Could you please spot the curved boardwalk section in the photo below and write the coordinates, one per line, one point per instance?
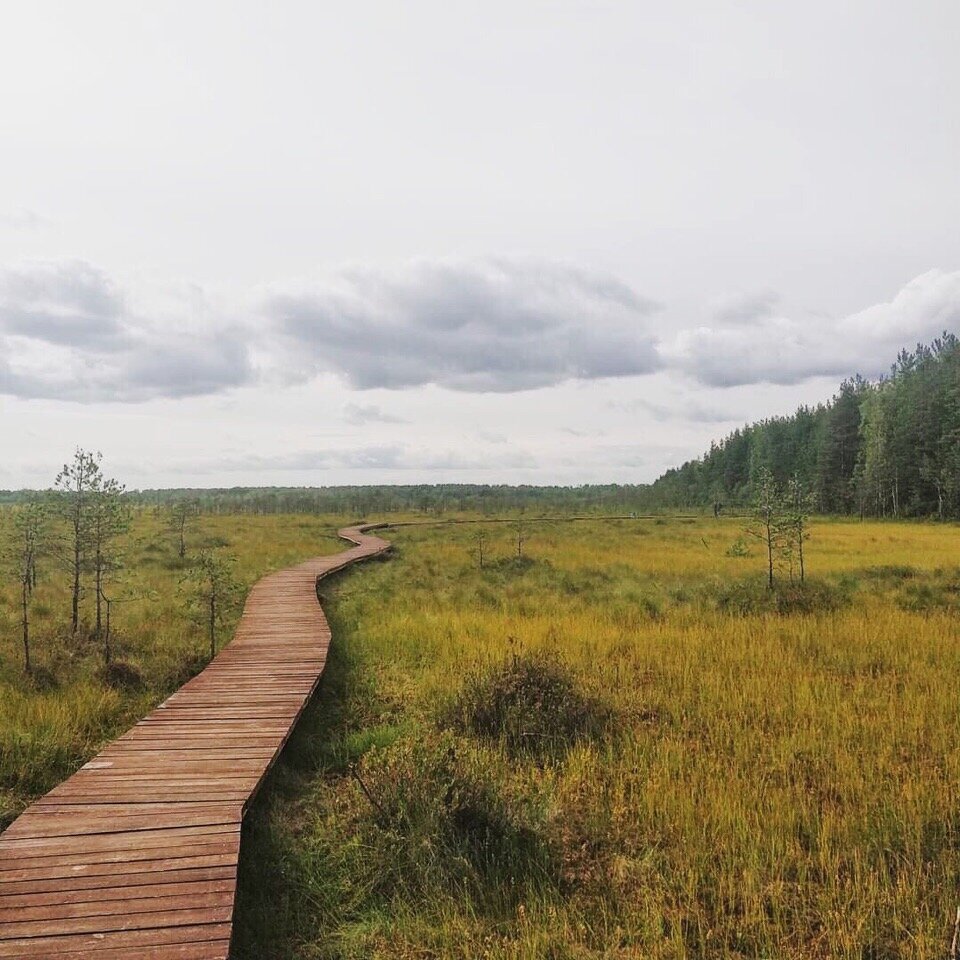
(135, 856)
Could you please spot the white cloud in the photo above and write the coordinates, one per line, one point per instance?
(23, 220)
(786, 350)
(360, 414)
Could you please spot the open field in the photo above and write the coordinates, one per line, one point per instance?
(748, 783)
(705, 775)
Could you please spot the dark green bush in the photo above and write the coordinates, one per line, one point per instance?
(184, 669)
(44, 679)
(120, 675)
(754, 596)
(890, 573)
(937, 591)
(532, 703)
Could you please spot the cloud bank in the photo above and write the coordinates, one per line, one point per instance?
(68, 331)
(477, 326)
(760, 347)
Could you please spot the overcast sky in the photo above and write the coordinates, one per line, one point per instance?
(557, 242)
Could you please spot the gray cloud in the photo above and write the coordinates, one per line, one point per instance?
(682, 409)
(23, 219)
(64, 302)
(358, 414)
(782, 350)
(480, 326)
(745, 308)
(67, 332)
(376, 457)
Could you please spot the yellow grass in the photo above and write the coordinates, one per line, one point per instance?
(774, 785)
(777, 785)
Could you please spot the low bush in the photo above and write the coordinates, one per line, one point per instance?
(531, 703)
(182, 669)
(119, 675)
(890, 573)
(939, 590)
(738, 548)
(754, 596)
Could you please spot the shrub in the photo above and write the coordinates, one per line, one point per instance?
(930, 591)
(738, 548)
(532, 703)
(512, 564)
(753, 596)
(891, 572)
(214, 541)
(122, 676)
(43, 679)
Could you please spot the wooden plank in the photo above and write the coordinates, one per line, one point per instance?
(157, 878)
(151, 903)
(117, 894)
(86, 945)
(135, 855)
(184, 917)
(208, 950)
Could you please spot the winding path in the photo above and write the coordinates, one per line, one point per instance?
(135, 856)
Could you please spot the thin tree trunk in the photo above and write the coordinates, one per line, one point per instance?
(25, 621)
(769, 555)
(107, 652)
(76, 581)
(99, 585)
(213, 620)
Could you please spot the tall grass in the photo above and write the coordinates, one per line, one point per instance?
(778, 782)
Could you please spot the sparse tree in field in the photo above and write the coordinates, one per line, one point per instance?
(27, 543)
(479, 540)
(180, 518)
(767, 522)
(110, 517)
(75, 485)
(520, 536)
(798, 504)
(213, 590)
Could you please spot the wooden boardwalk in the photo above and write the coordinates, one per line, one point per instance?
(135, 856)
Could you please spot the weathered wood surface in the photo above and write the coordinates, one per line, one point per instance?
(135, 856)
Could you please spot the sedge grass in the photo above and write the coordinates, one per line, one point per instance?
(776, 785)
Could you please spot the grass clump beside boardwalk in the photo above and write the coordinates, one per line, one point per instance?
(773, 782)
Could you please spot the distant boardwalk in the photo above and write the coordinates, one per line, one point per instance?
(135, 856)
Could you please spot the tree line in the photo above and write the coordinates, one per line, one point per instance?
(885, 448)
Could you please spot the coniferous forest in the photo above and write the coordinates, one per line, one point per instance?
(886, 448)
